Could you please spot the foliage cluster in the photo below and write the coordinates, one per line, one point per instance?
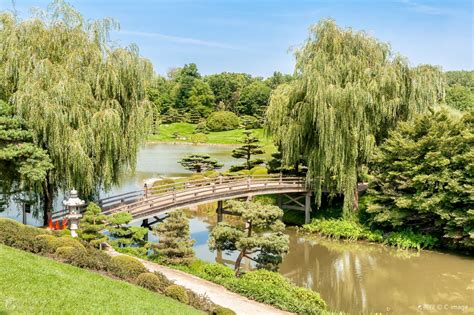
(262, 286)
(261, 240)
(460, 89)
(424, 176)
(250, 147)
(342, 229)
(174, 244)
(222, 121)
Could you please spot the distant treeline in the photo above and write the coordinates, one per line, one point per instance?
(185, 95)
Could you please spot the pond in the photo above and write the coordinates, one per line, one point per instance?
(351, 277)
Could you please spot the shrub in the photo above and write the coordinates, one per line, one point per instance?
(200, 302)
(409, 239)
(42, 243)
(18, 235)
(272, 288)
(177, 292)
(335, 228)
(220, 310)
(199, 138)
(216, 272)
(250, 122)
(165, 281)
(65, 252)
(150, 281)
(90, 258)
(64, 241)
(126, 267)
(221, 121)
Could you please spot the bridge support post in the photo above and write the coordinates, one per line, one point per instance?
(146, 225)
(307, 208)
(220, 211)
(280, 201)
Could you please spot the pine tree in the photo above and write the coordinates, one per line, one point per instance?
(122, 234)
(350, 90)
(249, 148)
(23, 164)
(91, 225)
(424, 178)
(261, 240)
(199, 163)
(174, 243)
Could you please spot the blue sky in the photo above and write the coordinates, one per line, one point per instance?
(256, 36)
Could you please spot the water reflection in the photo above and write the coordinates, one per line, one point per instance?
(361, 277)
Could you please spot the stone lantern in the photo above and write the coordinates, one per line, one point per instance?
(74, 205)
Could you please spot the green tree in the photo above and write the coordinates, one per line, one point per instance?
(23, 164)
(462, 78)
(185, 78)
(199, 163)
(201, 98)
(261, 240)
(424, 175)
(84, 101)
(254, 99)
(350, 90)
(221, 121)
(460, 97)
(122, 234)
(277, 79)
(249, 148)
(227, 88)
(174, 243)
(91, 225)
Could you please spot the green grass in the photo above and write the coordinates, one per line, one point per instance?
(31, 284)
(185, 130)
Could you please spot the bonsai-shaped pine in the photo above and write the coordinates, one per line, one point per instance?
(246, 151)
(174, 243)
(91, 225)
(123, 235)
(261, 240)
(199, 163)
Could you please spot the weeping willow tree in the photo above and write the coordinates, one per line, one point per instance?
(350, 89)
(83, 99)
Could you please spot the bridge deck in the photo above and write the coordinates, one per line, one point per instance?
(148, 203)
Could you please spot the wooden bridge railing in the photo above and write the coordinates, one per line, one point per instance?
(177, 194)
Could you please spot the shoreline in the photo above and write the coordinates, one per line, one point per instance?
(191, 143)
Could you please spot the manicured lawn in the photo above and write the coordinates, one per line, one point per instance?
(31, 284)
(185, 130)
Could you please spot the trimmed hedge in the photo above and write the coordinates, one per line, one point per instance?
(15, 234)
(217, 271)
(177, 292)
(272, 288)
(150, 281)
(126, 267)
(220, 310)
(221, 121)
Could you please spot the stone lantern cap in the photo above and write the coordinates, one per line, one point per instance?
(73, 200)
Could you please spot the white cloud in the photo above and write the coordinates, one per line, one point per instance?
(424, 8)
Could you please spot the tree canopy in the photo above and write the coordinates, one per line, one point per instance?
(262, 239)
(83, 100)
(424, 177)
(350, 89)
(199, 163)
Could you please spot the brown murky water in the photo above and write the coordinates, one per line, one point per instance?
(363, 278)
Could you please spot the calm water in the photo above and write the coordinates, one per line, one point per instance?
(352, 277)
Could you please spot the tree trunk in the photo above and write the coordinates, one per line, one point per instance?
(243, 252)
(296, 168)
(356, 198)
(48, 192)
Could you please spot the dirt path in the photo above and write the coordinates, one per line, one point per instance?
(216, 293)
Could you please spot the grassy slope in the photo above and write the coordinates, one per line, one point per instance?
(34, 284)
(165, 134)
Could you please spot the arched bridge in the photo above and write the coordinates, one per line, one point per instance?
(150, 202)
